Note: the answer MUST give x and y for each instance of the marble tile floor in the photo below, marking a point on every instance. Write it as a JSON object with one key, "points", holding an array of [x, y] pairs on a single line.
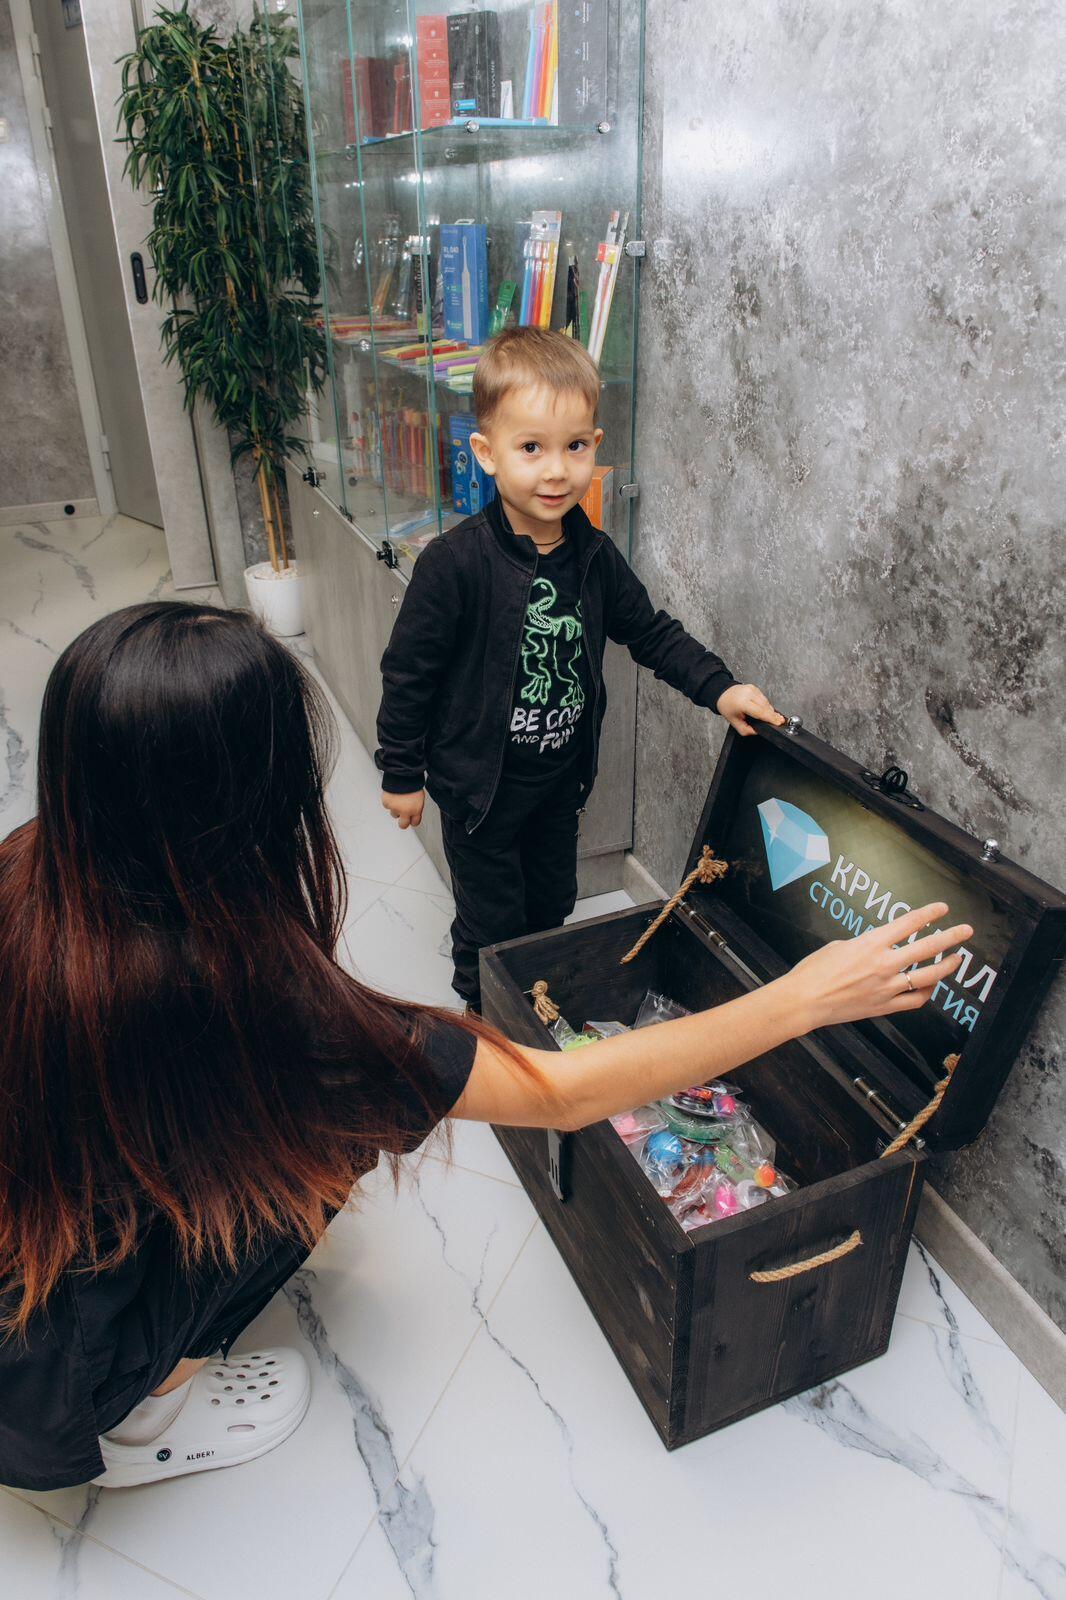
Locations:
{"points": [[470, 1435]]}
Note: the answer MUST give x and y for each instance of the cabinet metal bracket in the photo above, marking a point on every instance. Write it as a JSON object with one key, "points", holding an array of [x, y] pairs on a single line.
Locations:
{"points": [[558, 1163], [636, 247], [312, 477], [387, 554]]}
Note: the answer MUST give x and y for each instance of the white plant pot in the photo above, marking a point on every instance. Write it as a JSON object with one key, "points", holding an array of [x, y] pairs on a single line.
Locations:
{"points": [[276, 597]]}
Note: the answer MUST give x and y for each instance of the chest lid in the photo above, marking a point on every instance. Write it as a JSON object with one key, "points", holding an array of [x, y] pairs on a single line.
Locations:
{"points": [[819, 848]]}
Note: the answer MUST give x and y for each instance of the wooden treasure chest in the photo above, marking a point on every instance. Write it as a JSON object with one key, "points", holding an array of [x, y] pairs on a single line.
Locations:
{"points": [[719, 1320]]}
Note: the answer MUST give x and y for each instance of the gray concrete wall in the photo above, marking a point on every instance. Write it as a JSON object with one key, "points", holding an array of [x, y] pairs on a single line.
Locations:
{"points": [[850, 443], [44, 456]]}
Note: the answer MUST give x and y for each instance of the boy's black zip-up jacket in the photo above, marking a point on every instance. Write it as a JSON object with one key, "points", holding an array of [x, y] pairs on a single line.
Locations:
{"points": [[449, 672]]}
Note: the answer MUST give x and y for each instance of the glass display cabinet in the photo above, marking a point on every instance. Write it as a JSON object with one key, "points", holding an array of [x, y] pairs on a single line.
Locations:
{"points": [[463, 158], [473, 167]]}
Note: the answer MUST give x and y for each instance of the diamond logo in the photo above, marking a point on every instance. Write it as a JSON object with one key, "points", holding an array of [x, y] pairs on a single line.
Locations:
{"points": [[795, 844]]}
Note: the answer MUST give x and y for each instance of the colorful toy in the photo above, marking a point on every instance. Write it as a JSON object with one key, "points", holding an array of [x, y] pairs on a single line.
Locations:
{"points": [[634, 1126], [701, 1149], [665, 1150], [702, 1130], [763, 1174]]}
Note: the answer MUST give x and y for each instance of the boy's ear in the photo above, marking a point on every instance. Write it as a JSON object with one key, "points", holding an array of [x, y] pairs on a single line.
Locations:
{"points": [[597, 439], [481, 447]]}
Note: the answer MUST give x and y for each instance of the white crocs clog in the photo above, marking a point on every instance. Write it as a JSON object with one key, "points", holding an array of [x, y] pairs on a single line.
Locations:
{"points": [[237, 1409]]}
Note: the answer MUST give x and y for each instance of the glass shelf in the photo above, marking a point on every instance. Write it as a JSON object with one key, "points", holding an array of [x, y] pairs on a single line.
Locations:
{"points": [[383, 430], [459, 144]]}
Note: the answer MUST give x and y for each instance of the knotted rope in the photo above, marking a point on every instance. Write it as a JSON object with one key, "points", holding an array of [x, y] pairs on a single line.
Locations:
{"points": [[543, 1004], [916, 1124], [779, 1274], [707, 870], [905, 1135]]}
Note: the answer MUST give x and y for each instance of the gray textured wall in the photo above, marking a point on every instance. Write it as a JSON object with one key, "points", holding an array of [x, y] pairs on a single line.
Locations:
{"points": [[44, 455], [850, 443]]}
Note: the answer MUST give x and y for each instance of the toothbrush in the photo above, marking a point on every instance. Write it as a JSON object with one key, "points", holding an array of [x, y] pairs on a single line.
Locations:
{"points": [[468, 303]]}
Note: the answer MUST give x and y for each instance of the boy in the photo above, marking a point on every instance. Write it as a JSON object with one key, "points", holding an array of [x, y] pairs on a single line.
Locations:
{"points": [[493, 694]]}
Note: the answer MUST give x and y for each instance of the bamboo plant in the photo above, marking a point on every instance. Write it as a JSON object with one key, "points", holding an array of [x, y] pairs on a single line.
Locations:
{"points": [[215, 131]]}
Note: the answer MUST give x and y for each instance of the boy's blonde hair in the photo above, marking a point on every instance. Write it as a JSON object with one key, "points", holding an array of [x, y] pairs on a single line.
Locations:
{"points": [[522, 358]]}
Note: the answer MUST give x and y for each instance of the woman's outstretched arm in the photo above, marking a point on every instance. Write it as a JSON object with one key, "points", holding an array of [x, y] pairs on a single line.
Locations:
{"points": [[843, 982]]}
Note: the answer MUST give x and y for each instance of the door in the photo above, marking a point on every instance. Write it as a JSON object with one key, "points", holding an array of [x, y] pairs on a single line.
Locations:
{"points": [[98, 270]]}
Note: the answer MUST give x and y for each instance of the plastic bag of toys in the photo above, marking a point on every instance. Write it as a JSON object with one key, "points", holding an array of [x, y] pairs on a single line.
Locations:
{"points": [[658, 1008], [634, 1126], [706, 1113], [702, 1182], [607, 1030], [566, 1038], [666, 1158]]}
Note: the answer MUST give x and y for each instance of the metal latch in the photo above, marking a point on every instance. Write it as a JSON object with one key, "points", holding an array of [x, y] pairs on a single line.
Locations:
{"points": [[559, 1163], [629, 491], [636, 247], [893, 783]]}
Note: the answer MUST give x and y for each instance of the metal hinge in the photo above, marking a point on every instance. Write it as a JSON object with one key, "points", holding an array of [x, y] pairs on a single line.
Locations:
{"points": [[106, 448], [387, 554], [312, 477], [719, 942], [35, 52], [636, 247], [629, 491]]}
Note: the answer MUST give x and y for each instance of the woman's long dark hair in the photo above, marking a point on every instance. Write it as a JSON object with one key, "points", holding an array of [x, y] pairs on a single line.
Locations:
{"points": [[176, 1039]]}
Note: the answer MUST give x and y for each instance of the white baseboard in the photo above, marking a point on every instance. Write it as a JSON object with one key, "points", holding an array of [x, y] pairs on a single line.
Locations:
{"points": [[1024, 1327], [639, 884], [48, 511]]}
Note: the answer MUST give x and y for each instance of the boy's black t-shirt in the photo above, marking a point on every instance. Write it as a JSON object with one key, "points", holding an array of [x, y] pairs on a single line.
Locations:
{"points": [[551, 688]]}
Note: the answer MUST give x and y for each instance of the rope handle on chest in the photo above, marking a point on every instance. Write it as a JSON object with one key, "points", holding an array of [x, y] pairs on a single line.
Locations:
{"points": [[708, 869], [917, 1123]]}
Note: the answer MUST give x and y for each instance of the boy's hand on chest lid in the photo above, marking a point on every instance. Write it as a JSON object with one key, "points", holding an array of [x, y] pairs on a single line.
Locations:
{"points": [[742, 701]]}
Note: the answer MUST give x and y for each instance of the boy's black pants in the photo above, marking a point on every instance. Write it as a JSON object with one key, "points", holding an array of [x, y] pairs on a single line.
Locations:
{"points": [[517, 873]]}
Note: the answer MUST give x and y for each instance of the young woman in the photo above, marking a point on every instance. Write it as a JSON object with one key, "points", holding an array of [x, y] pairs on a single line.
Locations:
{"points": [[190, 1085]]}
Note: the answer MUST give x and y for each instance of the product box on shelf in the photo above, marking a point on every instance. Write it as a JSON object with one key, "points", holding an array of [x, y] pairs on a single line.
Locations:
{"points": [[596, 501], [471, 487], [584, 57], [434, 75], [713, 1324], [474, 60], [465, 274], [400, 115], [373, 93]]}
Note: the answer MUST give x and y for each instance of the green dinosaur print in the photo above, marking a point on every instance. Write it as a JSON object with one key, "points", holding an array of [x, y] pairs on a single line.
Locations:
{"points": [[540, 654]]}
